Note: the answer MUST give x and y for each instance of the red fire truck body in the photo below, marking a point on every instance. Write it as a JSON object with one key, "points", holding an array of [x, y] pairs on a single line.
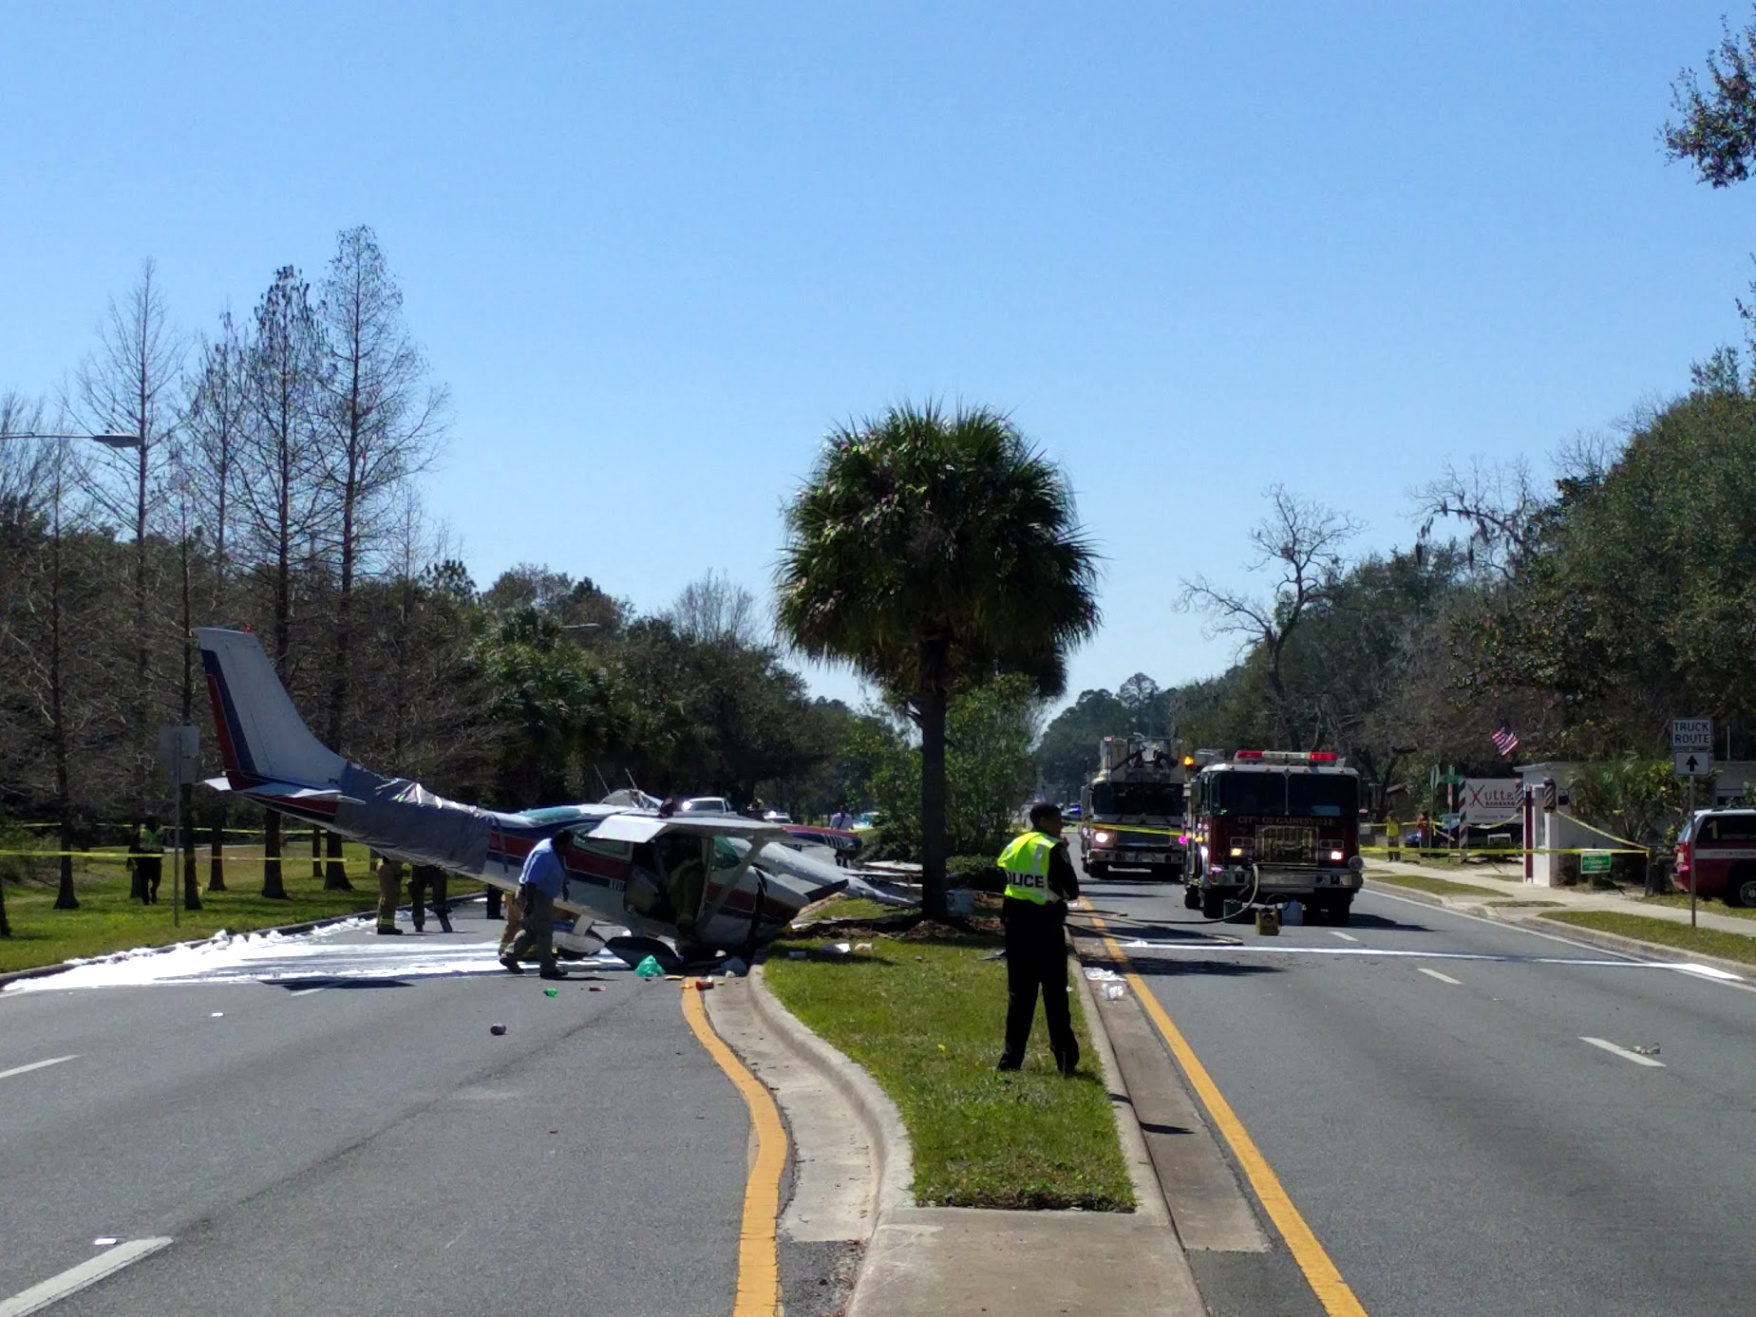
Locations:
{"points": [[1274, 826]]}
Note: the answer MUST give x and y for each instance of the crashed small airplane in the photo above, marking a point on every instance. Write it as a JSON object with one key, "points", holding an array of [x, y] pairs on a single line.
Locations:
{"points": [[628, 867]]}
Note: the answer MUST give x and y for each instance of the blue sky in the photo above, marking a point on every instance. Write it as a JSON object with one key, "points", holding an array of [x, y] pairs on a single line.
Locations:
{"points": [[656, 250]]}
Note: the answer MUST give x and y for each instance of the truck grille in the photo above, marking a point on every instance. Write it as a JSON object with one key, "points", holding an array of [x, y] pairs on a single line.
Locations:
{"points": [[1281, 844]]}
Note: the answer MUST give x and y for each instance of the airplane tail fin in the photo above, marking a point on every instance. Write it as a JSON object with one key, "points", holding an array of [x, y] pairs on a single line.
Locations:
{"points": [[262, 739]]}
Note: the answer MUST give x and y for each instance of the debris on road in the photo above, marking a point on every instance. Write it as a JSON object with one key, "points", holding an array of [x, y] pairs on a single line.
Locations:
{"points": [[649, 969], [496, 1028]]}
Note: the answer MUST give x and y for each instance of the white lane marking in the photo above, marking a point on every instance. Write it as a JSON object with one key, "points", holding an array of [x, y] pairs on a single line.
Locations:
{"points": [[306, 992], [1718, 976], [34, 1065], [1608, 1046], [1709, 972], [1345, 937], [1443, 978], [74, 1279]]}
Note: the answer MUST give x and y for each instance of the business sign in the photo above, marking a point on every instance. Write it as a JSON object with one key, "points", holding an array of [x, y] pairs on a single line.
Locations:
{"points": [[1689, 735], [1488, 799]]}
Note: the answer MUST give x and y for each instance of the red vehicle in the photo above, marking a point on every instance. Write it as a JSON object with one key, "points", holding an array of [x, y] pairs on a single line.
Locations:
{"points": [[1718, 846], [1271, 826]]}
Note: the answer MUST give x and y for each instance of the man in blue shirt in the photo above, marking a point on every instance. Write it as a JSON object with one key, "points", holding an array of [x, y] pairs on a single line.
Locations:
{"points": [[543, 879]]}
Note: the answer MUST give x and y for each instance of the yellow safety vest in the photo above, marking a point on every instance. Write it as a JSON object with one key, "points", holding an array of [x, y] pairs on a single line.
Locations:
{"points": [[150, 844], [1026, 862]]}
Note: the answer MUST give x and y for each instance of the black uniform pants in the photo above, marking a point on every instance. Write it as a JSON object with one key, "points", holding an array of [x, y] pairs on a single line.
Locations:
{"points": [[1036, 961]]}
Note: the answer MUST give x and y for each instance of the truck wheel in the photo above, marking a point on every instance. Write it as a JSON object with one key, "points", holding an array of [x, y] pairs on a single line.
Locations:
{"points": [[1342, 910], [1213, 904], [1191, 898], [1741, 886]]}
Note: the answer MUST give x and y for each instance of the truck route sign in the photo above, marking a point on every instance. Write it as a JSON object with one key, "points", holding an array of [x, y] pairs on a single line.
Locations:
{"points": [[1691, 735]]}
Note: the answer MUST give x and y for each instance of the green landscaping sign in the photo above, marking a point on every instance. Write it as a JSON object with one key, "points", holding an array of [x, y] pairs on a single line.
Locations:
{"points": [[1595, 861]]}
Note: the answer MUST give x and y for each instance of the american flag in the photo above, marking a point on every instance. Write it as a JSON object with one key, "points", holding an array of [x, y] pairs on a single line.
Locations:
{"points": [[1505, 739]]}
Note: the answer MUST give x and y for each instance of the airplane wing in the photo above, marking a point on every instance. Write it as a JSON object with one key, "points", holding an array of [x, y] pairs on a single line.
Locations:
{"points": [[644, 827]]}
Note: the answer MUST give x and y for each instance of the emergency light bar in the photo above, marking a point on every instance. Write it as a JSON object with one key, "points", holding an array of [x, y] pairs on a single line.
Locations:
{"points": [[1288, 756]]}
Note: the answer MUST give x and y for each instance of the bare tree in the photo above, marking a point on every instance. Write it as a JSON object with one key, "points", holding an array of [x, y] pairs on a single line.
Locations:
{"points": [[714, 608], [1499, 506], [217, 419], [382, 422], [55, 662], [1302, 542], [217, 422], [124, 387], [283, 502]]}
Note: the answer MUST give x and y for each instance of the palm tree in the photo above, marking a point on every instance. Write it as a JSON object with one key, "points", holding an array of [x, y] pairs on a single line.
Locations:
{"points": [[931, 552]]}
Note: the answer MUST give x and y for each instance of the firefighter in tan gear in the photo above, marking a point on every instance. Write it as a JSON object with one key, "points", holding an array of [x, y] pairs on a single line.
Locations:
{"points": [[389, 872], [1039, 884]]}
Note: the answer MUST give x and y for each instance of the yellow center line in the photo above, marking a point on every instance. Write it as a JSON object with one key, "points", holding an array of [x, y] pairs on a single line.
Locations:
{"points": [[1322, 1274], [758, 1267]]}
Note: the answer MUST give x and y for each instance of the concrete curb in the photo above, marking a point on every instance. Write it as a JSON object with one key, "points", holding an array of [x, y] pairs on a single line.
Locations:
{"points": [[1149, 1194], [890, 1140], [1628, 946]]}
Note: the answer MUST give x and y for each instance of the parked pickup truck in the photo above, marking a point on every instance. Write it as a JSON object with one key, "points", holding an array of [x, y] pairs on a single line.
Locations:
{"points": [[1718, 848]]}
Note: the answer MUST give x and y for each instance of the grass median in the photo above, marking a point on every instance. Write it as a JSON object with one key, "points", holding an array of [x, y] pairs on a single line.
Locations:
{"points": [[925, 1018], [1680, 901], [108, 921], [1706, 941]]}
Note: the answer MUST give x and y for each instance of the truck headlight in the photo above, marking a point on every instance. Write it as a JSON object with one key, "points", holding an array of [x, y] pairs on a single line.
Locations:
{"points": [[1336, 857], [1237, 852], [1100, 838]]}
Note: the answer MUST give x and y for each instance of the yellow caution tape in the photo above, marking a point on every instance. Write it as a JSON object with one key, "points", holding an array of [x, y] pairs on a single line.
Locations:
{"points": [[1505, 850]]}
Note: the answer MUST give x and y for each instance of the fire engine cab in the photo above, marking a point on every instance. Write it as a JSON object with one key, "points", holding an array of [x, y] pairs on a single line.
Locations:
{"points": [[1274, 826]]}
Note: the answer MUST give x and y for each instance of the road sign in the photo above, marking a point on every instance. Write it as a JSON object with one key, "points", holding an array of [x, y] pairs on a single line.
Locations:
{"points": [[1691, 734], [1693, 763], [179, 753]]}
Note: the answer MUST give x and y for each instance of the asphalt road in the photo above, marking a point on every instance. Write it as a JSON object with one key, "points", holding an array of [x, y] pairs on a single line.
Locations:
{"points": [[1423, 1084], [328, 1126]]}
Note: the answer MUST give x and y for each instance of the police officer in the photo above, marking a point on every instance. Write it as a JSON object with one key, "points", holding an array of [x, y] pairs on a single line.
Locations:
{"points": [[148, 859], [1039, 884]]}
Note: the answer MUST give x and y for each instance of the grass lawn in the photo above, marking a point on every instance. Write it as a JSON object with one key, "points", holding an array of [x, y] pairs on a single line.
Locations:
{"points": [[1680, 900], [926, 1018], [1422, 883], [107, 920], [1707, 941]]}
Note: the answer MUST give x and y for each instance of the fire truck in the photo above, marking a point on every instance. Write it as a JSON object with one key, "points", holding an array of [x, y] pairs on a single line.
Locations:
{"points": [[1131, 812], [1272, 826]]}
